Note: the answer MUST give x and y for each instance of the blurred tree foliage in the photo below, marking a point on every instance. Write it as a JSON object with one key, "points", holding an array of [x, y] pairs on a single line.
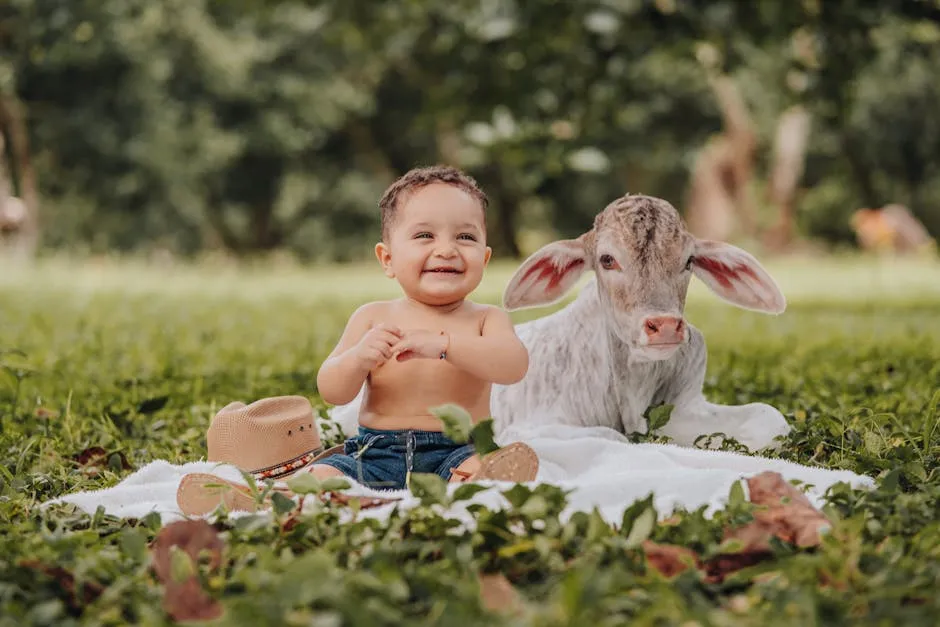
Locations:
{"points": [[250, 125]]}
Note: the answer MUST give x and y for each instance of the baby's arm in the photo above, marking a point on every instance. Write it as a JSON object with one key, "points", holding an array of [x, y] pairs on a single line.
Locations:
{"points": [[497, 356], [361, 348]]}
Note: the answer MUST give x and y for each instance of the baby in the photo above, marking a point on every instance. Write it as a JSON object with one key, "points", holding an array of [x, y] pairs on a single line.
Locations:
{"points": [[430, 347]]}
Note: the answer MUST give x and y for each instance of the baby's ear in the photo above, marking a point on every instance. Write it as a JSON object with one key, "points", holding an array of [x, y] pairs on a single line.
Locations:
{"points": [[384, 255]]}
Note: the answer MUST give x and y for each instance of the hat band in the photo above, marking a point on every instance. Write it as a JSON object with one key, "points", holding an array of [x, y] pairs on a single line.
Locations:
{"points": [[286, 468]]}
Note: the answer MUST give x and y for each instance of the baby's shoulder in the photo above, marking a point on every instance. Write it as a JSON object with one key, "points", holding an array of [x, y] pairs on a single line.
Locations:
{"points": [[483, 312], [373, 313]]}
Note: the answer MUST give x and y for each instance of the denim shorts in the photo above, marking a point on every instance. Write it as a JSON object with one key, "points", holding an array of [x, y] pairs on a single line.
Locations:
{"points": [[381, 459]]}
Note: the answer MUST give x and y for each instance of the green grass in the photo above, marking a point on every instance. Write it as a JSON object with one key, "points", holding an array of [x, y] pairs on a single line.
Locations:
{"points": [[136, 360]]}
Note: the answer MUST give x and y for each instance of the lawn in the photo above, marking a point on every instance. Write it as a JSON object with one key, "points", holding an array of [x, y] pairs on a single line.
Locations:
{"points": [[136, 359]]}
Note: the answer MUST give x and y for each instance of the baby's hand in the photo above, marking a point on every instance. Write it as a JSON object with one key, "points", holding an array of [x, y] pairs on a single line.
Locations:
{"points": [[375, 347], [420, 343]]}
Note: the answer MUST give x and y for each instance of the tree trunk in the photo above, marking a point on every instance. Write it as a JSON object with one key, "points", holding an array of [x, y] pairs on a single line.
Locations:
{"points": [[719, 199], [507, 202], [22, 175], [789, 159], [742, 146]]}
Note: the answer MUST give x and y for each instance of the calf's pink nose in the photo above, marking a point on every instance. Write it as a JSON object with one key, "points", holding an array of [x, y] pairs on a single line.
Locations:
{"points": [[664, 330]]}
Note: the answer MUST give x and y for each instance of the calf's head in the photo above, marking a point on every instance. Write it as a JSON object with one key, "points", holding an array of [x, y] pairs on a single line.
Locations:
{"points": [[643, 258]]}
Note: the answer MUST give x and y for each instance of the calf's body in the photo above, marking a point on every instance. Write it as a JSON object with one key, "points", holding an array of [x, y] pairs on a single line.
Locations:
{"points": [[581, 373]]}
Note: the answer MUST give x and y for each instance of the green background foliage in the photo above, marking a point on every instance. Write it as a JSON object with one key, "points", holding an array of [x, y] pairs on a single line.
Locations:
{"points": [[196, 125]]}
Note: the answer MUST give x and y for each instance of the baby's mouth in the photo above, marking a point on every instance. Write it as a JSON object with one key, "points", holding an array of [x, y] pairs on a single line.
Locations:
{"points": [[444, 270]]}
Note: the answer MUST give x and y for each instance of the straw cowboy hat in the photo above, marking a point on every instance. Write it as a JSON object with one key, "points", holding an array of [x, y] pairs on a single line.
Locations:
{"points": [[270, 439]]}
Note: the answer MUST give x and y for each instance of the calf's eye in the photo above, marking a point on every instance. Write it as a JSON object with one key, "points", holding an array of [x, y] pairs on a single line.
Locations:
{"points": [[688, 264], [608, 262]]}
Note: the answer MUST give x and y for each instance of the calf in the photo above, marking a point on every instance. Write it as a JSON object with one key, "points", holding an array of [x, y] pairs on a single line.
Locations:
{"points": [[623, 344]]}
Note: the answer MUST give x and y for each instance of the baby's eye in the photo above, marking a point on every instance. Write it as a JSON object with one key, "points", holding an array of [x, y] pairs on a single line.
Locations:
{"points": [[467, 236], [422, 235]]}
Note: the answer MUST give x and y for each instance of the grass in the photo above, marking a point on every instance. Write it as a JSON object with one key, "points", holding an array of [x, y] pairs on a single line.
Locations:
{"points": [[136, 359]]}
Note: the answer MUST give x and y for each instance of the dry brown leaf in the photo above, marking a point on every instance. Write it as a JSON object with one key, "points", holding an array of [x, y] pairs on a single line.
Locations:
{"points": [[498, 595], [720, 566], [187, 600], [97, 456], [795, 521], [45, 413], [668, 559]]}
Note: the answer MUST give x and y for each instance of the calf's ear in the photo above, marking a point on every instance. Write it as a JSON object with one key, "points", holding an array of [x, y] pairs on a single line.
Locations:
{"points": [[547, 275], [737, 277]]}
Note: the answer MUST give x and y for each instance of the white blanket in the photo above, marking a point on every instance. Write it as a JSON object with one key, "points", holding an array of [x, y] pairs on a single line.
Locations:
{"points": [[600, 467]]}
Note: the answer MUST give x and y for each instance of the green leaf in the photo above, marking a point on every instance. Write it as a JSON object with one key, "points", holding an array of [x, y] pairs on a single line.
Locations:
{"points": [[657, 417], [642, 528], [631, 513], [304, 483], [152, 521], [334, 484], [428, 487], [181, 565], [874, 444], [47, 612], [466, 491], [535, 507], [736, 494], [456, 420], [931, 421], [731, 545], [282, 504], [482, 437], [517, 495], [916, 469], [134, 544]]}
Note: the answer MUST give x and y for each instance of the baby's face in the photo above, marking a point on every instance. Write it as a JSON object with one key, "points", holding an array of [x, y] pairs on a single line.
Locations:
{"points": [[436, 246]]}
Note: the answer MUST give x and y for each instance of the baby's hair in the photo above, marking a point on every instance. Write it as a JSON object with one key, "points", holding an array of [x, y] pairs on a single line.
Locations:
{"points": [[417, 178]]}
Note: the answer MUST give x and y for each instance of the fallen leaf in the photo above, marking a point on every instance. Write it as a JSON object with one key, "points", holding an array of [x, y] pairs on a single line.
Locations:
{"points": [[186, 600], [668, 559], [795, 521], [783, 512], [95, 456], [498, 594], [90, 456], [720, 566]]}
